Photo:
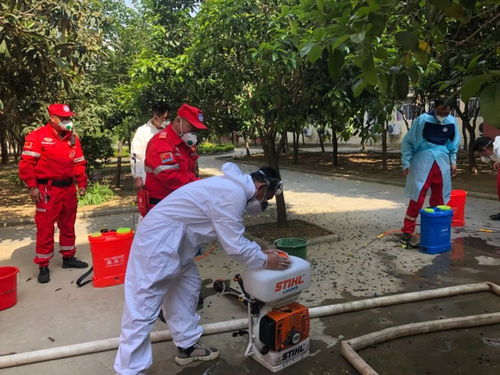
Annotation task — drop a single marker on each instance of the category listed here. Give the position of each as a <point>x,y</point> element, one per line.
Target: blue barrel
<point>435,229</point>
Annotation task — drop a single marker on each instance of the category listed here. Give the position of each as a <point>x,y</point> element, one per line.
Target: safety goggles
<point>273,184</point>
<point>485,148</point>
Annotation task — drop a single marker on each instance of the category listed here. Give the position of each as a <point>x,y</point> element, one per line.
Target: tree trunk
<point>464,135</point>
<point>320,137</point>
<point>118,175</point>
<point>3,140</point>
<point>384,146</point>
<point>335,145</point>
<point>303,139</point>
<point>247,147</point>
<point>296,148</point>
<point>273,158</point>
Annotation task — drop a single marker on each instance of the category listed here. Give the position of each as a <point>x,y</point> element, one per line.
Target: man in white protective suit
<point>161,268</point>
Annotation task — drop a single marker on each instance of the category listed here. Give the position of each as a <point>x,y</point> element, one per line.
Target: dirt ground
<point>295,228</point>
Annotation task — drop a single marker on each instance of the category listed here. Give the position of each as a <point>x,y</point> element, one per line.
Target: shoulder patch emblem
<point>166,157</point>
<point>48,139</point>
<point>163,135</point>
<point>28,144</point>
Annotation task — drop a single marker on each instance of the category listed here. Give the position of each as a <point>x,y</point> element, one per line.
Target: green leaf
<point>359,37</point>
<point>380,53</point>
<point>321,5</point>
<point>4,50</point>
<point>421,57</point>
<point>441,4</point>
<point>401,86</point>
<point>358,87</point>
<point>407,40</point>
<point>339,41</point>
<point>473,62</point>
<point>335,64</point>
<point>413,73</point>
<point>490,101</point>
<point>459,12</point>
<point>306,48</point>
<point>472,85</point>
<point>369,72</point>
<point>315,53</point>
<point>293,27</point>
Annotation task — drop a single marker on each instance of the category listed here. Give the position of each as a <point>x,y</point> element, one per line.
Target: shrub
<point>96,194</point>
<point>208,148</point>
<point>97,150</point>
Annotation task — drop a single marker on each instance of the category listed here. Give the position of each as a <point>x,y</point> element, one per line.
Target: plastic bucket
<point>8,287</point>
<point>435,230</point>
<point>457,204</point>
<point>292,246</point>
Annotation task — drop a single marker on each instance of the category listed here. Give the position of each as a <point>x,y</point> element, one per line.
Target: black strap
<point>154,200</point>
<point>58,183</point>
<point>79,282</point>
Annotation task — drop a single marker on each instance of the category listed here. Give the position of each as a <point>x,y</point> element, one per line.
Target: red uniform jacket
<point>48,156</point>
<point>170,163</point>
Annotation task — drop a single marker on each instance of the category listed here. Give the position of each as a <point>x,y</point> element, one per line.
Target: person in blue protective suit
<point>429,160</point>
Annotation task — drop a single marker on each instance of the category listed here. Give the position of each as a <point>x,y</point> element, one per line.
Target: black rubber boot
<point>405,237</point>
<point>43,275</point>
<point>495,217</point>
<point>73,262</point>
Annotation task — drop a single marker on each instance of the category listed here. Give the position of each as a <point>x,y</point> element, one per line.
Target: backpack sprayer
<point>278,327</point>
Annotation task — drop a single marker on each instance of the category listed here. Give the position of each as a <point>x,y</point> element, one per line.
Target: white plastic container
<point>270,285</point>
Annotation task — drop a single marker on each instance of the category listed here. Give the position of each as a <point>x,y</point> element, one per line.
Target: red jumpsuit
<point>53,164</point>
<point>170,163</point>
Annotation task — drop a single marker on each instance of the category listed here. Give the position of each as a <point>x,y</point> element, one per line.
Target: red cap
<point>193,115</point>
<point>61,110</point>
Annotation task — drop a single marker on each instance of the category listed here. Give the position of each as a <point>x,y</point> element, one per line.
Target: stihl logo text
<point>289,283</point>
<point>292,353</point>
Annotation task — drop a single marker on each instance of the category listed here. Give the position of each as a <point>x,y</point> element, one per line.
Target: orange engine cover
<point>284,327</point>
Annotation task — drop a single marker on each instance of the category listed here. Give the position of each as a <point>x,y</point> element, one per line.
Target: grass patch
<point>96,194</point>
<point>209,148</point>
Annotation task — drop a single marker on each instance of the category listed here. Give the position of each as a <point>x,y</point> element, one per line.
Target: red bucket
<point>457,204</point>
<point>8,287</point>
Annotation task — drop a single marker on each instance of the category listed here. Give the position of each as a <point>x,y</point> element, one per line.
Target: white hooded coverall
<point>142,136</point>
<point>161,269</point>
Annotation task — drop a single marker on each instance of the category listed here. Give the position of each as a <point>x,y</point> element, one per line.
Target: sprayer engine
<point>278,326</point>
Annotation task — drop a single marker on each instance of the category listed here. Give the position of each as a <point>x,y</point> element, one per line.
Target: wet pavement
<point>359,266</point>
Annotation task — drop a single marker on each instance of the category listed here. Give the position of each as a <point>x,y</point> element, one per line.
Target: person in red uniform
<point>170,155</point>
<point>51,163</point>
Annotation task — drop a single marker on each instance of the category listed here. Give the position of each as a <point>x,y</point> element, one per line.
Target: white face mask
<point>440,118</point>
<point>486,159</point>
<point>255,207</point>
<point>66,125</point>
<point>190,139</point>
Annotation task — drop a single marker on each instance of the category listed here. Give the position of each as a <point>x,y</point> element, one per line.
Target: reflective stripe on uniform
<point>161,168</point>
<point>77,160</point>
<point>67,247</point>
<point>44,256</point>
<point>31,153</point>
<point>410,218</point>
<point>41,209</point>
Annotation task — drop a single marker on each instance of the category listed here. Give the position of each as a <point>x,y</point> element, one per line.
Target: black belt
<point>154,200</point>
<point>58,183</point>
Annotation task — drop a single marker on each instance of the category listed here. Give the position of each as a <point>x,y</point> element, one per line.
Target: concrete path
<point>59,313</point>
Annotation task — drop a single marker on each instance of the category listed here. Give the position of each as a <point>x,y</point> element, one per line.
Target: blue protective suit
<point>426,142</point>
